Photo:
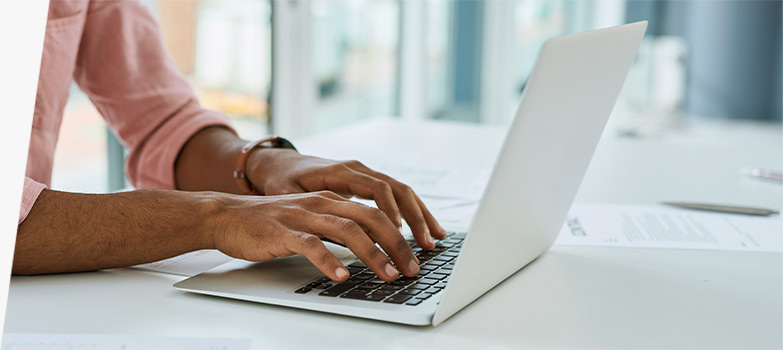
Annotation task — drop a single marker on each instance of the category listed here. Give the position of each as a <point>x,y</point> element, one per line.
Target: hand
<point>284,171</point>
<point>259,228</point>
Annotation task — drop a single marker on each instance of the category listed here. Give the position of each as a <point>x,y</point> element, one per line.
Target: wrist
<point>209,210</point>
<point>262,165</point>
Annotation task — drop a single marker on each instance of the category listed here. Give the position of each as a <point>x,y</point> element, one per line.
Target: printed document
<point>649,226</point>
<point>188,264</point>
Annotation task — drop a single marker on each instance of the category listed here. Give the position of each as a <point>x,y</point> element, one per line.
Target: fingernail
<point>414,267</point>
<point>341,272</point>
<point>391,271</point>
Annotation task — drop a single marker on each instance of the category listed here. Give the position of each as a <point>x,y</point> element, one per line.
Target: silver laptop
<point>562,113</point>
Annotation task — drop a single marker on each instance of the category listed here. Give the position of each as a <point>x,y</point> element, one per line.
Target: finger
<point>422,223</point>
<point>435,228</point>
<point>368,187</point>
<point>380,229</point>
<point>351,233</point>
<point>314,250</point>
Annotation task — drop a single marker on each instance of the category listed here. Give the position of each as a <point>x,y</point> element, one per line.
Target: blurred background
<point>325,64</point>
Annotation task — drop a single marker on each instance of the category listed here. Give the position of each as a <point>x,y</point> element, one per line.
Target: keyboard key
<point>357,264</point>
<point>369,297</point>
<point>397,299</point>
<point>409,291</point>
<point>367,286</point>
<point>432,290</point>
<point>424,296</point>
<point>377,294</point>
<point>364,276</point>
<point>381,291</point>
<point>419,286</point>
<point>414,302</point>
<point>428,281</point>
<point>437,263</point>
<point>391,287</point>
<point>441,285</point>
<point>443,258</point>
<point>303,290</point>
<point>355,269</point>
<point>354,294</point>
<point>436,276</point>
<point>337,290</point>
<point>323,286</point>
<point>425,270</point>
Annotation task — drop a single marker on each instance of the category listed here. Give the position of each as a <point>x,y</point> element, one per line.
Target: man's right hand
<point>258,228</point>
<point>70,232</point>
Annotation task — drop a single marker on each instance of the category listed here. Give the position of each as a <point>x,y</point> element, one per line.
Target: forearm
<point>69,232</point>
<point>207,161</point>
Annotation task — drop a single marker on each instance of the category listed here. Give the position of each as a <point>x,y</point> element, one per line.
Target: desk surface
<point>572,297</point>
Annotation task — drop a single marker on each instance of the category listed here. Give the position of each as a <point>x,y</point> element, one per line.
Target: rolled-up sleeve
<point>124,69</point>
<point>30,193</point>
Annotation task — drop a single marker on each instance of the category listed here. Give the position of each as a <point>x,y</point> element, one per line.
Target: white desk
<point>572,297</point>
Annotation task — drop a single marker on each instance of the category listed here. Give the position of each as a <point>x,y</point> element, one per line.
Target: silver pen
<point>724,208</point>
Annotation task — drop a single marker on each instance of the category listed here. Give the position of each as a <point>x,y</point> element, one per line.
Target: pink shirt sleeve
<point>124,69</point>
<point>29,194</point>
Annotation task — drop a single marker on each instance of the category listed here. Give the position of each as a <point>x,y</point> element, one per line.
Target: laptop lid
<point>569,97</point>
<point>562,113</point>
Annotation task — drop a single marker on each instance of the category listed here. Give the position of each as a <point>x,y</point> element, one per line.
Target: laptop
<point>562,113</point>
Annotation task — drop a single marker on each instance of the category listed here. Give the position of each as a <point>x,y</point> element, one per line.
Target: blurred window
<point>354,57</point>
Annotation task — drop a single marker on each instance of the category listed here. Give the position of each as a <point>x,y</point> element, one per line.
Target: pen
<point>724,208</point>
<point>766,174</point>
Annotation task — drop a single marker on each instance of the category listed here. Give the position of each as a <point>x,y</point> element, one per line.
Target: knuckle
<point>405,188</point>
<point>349,226</point>
<point>402,245</point>
<point>384,186</point>
<point>352,163</point>
<point>311,242</point>
<point>316,198</point>
<point>325,258</point>
<point>417,220</point>
<point>377,255</point>
<point>376,214</point>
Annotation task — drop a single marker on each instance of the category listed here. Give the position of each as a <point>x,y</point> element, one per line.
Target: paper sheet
<point>427,180</point>
<point>449,183</point>
<point>49,341</point>
<point>643,226</point>
<point>189,264</point>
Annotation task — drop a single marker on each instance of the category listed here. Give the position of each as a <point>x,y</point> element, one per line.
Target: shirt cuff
<point>30,193</point>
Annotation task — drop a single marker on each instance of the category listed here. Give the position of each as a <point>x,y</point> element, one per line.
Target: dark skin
<point>304,201</point>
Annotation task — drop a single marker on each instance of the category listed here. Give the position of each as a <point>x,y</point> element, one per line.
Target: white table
<point>572,297</point>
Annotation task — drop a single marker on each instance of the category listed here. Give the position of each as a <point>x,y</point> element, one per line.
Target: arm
<point>68,232</point>
<point>208,159</point>
<point>175,144</point>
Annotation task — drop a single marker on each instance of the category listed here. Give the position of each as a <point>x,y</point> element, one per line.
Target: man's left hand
<point>276,171</point>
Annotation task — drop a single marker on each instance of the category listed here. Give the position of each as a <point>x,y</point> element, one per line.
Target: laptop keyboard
<point>435,266</point>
